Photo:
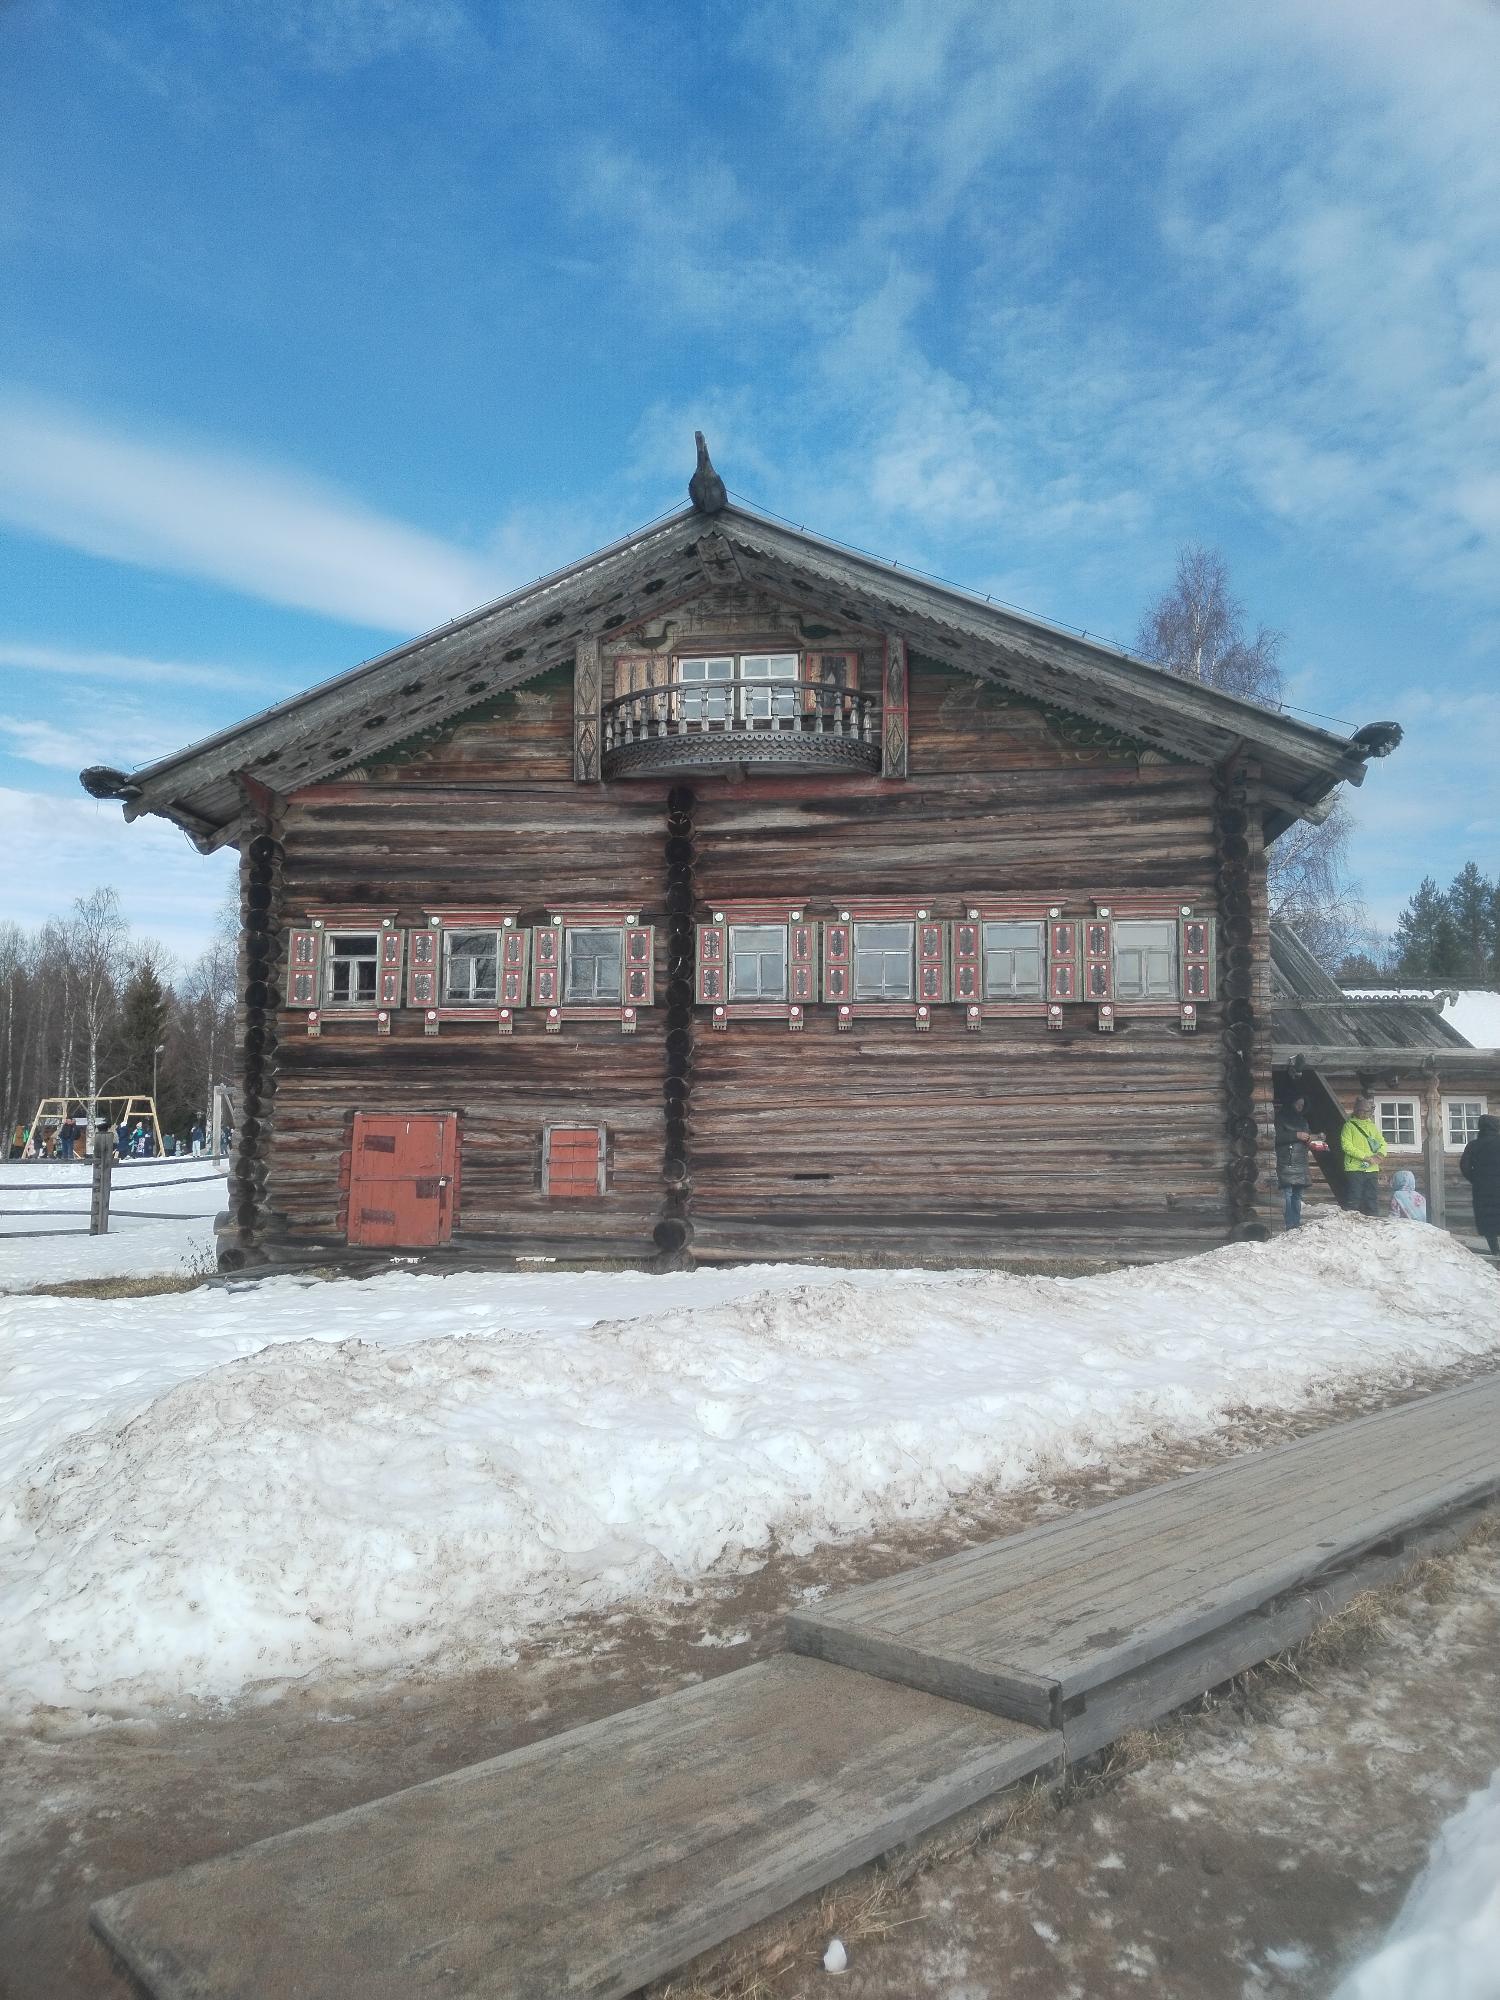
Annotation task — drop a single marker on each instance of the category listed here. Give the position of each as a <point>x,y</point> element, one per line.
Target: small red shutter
<point>513,956</point>
<point>422,961</point>
<point>1098,958</point>
<point>838,961</point>
<point>546,965</point>
<point>802,964</point>
<point>968,961</point>
<point>1196,959</point>
<point>572,1158</point>
<point>713,973</point>
<point>932,984</point>
<point>640,966</point>
<point>304,959</point>
<point>1062,960</point>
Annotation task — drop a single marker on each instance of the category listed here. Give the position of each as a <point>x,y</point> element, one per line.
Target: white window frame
<point>1014,992</point>
<point>1450,1144</point>
<point>905,999</point>
<point>1147,996</point>
<point>568,998</point>
<point>738,687</point>
<point>1396,1145</point>
<point>751,999</point>
<point>331,961</point>
<point>450,938</point>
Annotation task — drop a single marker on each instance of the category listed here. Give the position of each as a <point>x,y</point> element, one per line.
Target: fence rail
<point>101,1193</point>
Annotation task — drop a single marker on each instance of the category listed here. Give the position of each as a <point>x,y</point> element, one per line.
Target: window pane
<point>1012,961</point>
<point>473,966</point>
<point>760,703</point>
<point>883,961</point>
<point>1463,1119</point>
<point>1146,961</point>
<point>593,963</point>
<point>352,966</point>
<point>757,962</point>
<point>701,701</point>
<point>1397,1119</point>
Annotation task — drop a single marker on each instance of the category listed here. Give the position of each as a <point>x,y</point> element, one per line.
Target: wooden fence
<point>102,1188</point>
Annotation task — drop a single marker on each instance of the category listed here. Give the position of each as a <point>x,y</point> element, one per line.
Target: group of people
<point>1365,1156</point>
<point>65,1140</point>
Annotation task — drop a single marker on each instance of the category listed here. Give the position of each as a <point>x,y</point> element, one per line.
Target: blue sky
<point>324,320</point>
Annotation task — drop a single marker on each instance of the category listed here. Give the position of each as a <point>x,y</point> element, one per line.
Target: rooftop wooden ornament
<point>706,489</point>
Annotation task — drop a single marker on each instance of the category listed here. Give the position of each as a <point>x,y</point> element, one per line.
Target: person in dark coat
<point>1292,1137</point>
<point>1480,1167</point>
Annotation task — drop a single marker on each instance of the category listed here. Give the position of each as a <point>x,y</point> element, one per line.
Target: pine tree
<point>1471,906</point>
<point>145,1011</point>
<point>1427,942</point>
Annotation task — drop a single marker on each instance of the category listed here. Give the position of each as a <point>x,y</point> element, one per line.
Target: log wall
<point>761,1142</point>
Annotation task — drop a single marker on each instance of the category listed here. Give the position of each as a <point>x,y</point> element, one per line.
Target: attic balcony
<point>768,727</point>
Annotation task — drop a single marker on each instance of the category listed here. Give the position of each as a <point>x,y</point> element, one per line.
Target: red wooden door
<point>403,1180</point>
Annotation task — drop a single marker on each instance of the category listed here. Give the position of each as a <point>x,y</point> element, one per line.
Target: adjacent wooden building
<point>731,894</point>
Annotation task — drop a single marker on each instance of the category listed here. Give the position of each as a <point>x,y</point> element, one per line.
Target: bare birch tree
<point>96,948</point>
<point>1197,630</point>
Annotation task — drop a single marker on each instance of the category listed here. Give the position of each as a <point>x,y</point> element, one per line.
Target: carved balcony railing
<point>702,726</point>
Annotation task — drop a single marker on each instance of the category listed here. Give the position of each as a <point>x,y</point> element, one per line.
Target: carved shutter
<point>392,955</point>
<point>546,965</point>
<point>932,964</point>
<point>968,962</point>
<point>304,962</point>
<point>513,957</point>
<point>1062,960</point>
<point>1098,959</point>
<point>838,961</point>
<point>802,964</point>
<point>640,966</point>
<point>423,958</point>
<point>1195,959</point>
<point>712,971</point>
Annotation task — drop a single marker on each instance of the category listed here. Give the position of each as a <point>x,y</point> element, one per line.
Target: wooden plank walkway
<point>596,1861</point>
<point>1027,1627</point>
<point>586,1864</point>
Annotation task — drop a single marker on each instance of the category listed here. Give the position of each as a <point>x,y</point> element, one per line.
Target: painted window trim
<point>1450,1144</point>
<point>929,960</point>
<point>1400,1097</point>
<point>713,954</point>
<point>548,972</point>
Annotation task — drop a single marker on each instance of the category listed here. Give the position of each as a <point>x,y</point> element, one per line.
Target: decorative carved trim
<point>712,750</point>
<point>893,737</point>
<point>588,691</point>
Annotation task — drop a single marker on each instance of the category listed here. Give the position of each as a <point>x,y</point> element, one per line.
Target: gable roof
<point>434,679</point>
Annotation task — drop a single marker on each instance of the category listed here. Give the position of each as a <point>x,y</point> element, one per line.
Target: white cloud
<point>57,848</point>
<point>94,664</point>
<point>199,511</point>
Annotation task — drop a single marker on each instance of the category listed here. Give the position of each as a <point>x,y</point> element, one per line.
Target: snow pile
<point>369,1505</point>
<point>161,1220</point>
<point>1445,1945</point>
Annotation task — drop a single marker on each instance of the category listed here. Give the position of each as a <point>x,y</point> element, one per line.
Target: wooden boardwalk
<point>1033,1626</point>
<point>598,1860</point>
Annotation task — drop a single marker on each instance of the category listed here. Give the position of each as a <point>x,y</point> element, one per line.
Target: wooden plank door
<point>403,1180</point>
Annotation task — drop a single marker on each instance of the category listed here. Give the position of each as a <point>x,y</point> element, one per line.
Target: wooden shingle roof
<point>435,679</point>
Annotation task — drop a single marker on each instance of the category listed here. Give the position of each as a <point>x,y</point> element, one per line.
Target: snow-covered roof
<point>1471,1011</point>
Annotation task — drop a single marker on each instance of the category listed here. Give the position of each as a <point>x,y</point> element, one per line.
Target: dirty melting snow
<point>469,1472</point>
<point>1445,1945</point>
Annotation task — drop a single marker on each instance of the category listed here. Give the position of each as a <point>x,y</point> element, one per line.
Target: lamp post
<point>156,1055</point>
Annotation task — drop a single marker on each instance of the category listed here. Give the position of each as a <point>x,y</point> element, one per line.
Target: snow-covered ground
<point>136,1246</point>
<point>1445,1945</point>
<point>209,1489</point>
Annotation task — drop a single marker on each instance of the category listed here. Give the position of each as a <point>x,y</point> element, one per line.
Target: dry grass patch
<point>119,1288</point>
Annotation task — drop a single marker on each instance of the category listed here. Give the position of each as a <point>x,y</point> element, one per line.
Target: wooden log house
<point>730,894</point>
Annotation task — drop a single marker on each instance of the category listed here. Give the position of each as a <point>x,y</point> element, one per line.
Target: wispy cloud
<point>138,670</point>
<point>199,511</point>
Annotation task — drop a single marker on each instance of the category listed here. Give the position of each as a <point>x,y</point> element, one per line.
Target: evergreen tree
<point>1472,907</point>
<point>1427,943</point>
<point>145,1011</point>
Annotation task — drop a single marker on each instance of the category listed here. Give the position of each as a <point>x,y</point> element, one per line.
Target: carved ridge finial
<point>706,489</point>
